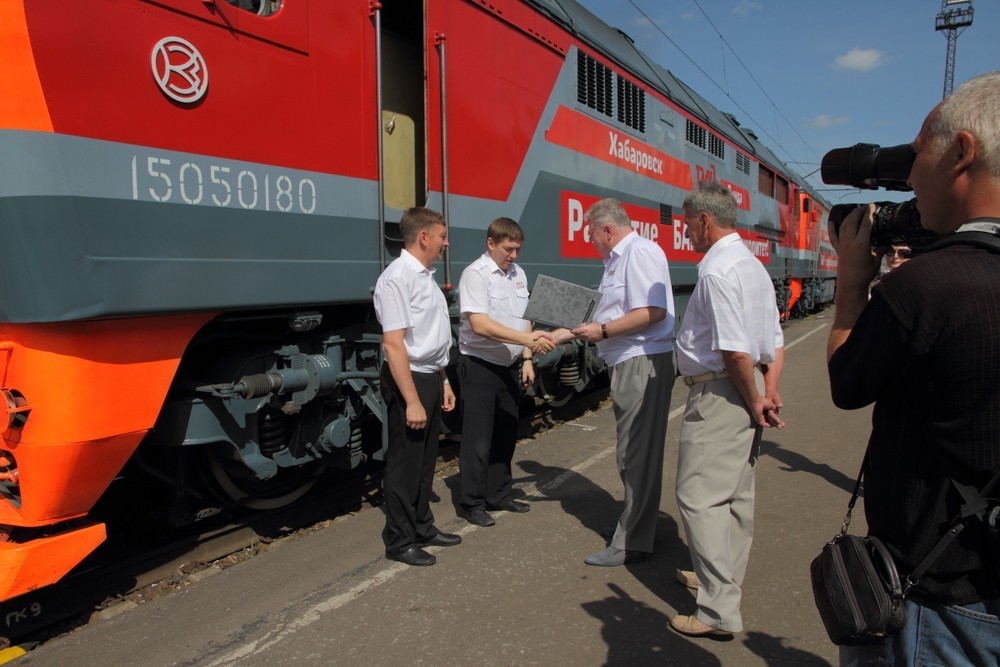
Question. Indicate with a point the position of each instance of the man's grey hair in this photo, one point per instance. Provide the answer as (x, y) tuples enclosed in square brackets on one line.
[(715, 199), (973, 108), (608, 211)]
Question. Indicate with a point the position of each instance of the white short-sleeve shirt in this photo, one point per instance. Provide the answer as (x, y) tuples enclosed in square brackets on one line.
[(636, 275), (732, 308), (501, 295), (407, 297)]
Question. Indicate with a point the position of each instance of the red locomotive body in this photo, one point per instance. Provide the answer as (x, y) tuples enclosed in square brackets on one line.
[(197, 196)]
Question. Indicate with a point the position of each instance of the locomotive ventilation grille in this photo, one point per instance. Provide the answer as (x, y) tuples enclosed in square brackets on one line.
[(593, 84), (698, 136), (631, 105), (743, 163), (666, 214), (599, 88)]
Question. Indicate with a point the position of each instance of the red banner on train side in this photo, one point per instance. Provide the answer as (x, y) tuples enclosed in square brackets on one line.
[(580, 133), (575, 238), (683, 251), (758, 244), (741, 196), (576, 233)]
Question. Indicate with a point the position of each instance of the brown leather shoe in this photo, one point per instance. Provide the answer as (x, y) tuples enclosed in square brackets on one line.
[(692, 627), (687, 578)]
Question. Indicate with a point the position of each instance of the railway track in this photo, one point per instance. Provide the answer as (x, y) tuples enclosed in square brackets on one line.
[(136, 567)]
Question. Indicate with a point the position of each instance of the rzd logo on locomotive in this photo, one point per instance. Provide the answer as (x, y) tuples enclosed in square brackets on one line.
[(179, 70)]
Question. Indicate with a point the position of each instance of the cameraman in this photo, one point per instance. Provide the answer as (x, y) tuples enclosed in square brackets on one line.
[(926, 350)]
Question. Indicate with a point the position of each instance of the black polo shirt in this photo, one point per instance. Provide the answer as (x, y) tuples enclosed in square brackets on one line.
[(926, 350)]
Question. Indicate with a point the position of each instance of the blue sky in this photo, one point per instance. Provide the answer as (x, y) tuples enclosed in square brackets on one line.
[(830, 74)]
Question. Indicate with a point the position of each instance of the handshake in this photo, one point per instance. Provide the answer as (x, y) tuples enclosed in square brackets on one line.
[(540, 342), (544, 341)]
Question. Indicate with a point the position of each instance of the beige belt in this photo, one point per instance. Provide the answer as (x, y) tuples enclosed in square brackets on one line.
[(704, 377)]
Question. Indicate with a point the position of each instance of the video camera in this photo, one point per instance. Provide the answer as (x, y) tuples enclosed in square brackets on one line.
[(870, 166)]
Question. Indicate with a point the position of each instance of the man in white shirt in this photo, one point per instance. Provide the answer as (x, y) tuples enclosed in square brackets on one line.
[(416, 337), (730, 329), (496, 347), (633, 328)]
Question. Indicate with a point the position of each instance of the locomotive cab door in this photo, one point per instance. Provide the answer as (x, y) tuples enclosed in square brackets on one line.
[(403, 108)]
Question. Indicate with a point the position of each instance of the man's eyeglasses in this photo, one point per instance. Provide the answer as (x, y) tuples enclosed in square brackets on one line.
[(902, 253)]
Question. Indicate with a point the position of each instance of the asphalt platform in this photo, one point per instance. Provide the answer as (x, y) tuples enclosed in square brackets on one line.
[(519, 593)]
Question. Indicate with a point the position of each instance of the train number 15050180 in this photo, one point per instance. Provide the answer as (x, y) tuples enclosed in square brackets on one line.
[(167, 180)]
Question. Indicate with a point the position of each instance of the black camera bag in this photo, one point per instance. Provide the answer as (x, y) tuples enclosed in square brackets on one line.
[(855, 583), (856, 586), (857, 590)]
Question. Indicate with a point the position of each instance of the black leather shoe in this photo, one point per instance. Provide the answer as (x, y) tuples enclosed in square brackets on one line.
[(442, 540), (510, 505), (480, 517), (412, 556)]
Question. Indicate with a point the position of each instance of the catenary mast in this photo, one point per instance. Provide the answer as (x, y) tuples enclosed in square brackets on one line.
[(955, 16)]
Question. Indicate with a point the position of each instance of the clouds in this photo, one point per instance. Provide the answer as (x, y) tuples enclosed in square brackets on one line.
[(859, 60), (746, 7), (824, 121)]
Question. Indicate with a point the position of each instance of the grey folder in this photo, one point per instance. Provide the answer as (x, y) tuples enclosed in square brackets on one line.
[(559, 303)]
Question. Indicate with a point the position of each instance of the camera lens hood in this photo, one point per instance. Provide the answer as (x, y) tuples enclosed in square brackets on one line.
[(869, 166)]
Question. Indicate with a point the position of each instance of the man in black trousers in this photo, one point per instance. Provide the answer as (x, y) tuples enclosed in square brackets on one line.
[(416, 337), (496, 347)]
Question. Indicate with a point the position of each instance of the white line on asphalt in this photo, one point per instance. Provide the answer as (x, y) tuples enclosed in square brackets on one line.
[(582, 427), (806, 335), (315, 612)]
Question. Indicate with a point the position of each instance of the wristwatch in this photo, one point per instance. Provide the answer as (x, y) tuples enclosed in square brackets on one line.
[(604, 330)]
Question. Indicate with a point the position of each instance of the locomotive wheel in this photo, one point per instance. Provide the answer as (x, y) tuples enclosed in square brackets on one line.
[(284, 489), (561, 399)]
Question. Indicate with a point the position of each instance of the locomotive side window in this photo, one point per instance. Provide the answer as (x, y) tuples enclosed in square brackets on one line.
[(765, 181), (781, 189), (258, 7), (274, 20)]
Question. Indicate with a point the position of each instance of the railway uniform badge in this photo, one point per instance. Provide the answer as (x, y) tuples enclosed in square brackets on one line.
[(179, 70)]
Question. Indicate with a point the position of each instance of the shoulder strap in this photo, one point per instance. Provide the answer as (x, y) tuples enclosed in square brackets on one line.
[(854, 497), (976, 504), (980, 239)]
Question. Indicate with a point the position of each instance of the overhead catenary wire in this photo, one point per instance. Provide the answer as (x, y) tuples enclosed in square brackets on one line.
[(776, 141), (753, 78)]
